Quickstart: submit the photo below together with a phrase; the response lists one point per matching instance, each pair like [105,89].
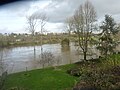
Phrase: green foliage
[112,60]
[109,29]
[101,79]
[100,74]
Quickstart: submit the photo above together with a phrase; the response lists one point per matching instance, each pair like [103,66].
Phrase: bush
[108,79]
[74,72]
[47,58]
[99,74]
[65,42]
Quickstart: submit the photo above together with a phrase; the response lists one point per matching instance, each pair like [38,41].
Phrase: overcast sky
[13,15]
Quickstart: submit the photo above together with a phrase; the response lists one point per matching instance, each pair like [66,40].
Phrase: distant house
[18,40]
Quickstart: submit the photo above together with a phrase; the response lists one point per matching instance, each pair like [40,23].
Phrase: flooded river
[25,58]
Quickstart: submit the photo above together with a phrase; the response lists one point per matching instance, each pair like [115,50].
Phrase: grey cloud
[67,7]
[58,10]
[18,8]
[106,7]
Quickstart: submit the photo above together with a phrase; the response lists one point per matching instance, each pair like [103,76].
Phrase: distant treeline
[14,39]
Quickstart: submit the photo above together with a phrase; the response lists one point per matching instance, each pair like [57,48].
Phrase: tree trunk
[34,46]
[85,56]
[34,53]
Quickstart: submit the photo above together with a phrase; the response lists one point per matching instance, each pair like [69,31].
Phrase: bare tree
[83,22]
[69,25]
[46,58]
[33,21]
[42,20]
[32,24]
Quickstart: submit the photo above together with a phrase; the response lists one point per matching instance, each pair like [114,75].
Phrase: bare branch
[83,23]
[32,23]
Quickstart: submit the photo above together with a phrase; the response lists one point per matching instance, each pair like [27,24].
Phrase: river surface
[19,59]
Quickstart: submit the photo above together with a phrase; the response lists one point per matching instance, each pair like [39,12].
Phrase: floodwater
[25,58]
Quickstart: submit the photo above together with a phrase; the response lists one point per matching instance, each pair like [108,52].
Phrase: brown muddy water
[19,59]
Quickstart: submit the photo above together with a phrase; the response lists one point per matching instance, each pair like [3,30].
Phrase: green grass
[42,79]
[57,78]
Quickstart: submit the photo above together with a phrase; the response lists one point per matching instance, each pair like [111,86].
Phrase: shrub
[74,72]
[108,79]
[47,58]
[65,42]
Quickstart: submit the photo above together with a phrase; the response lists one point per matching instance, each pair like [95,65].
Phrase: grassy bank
[43,79]
[99,74]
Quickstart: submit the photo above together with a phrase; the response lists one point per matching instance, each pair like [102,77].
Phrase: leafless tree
[58,60]
[33,21]
[32,24]
[83,22]
[42,20]
[69,25]
[46,58]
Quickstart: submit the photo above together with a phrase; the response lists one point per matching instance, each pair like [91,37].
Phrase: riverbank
[26,44]
[28,40]
[100,74]
[42,79]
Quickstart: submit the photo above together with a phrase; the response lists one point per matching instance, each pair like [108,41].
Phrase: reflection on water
[21,58]
[66,54]
[65,48]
